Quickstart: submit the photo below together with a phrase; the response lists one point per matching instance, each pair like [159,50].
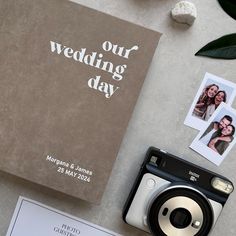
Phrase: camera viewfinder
[155,160]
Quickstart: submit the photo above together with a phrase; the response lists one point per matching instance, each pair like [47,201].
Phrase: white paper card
[33,218]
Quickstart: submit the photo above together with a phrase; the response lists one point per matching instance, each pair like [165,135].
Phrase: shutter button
[151,183]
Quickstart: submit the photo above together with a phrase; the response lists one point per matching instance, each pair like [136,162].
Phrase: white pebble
[184,12]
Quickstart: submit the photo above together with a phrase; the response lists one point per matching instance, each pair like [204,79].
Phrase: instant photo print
[174,197]
[215,141]
[212,92]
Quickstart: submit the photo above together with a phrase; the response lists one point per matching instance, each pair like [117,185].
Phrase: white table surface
[171,84]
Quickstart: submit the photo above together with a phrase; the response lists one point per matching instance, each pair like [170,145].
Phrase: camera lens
[180,210]
[180,218]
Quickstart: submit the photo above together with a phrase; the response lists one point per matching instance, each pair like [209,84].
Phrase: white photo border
[196,122]
[203,149]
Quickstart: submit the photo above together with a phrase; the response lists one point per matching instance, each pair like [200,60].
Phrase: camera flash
[222,185]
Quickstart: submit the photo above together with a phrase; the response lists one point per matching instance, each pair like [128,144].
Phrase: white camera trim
[150,187]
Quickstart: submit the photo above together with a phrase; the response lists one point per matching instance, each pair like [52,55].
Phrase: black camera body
[173,197]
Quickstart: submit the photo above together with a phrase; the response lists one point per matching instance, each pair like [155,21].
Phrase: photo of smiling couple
[219,135]
[210,99]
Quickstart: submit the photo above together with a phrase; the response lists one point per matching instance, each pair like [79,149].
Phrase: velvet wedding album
[69,80]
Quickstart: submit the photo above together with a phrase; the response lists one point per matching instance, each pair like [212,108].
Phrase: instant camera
[172,197]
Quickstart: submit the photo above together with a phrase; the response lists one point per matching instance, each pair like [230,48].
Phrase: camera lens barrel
[180,211]
[180,217]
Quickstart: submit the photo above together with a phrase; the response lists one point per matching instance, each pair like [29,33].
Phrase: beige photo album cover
[69,80]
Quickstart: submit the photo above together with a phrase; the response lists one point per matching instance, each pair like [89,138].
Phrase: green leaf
[229,7]
[223,48]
